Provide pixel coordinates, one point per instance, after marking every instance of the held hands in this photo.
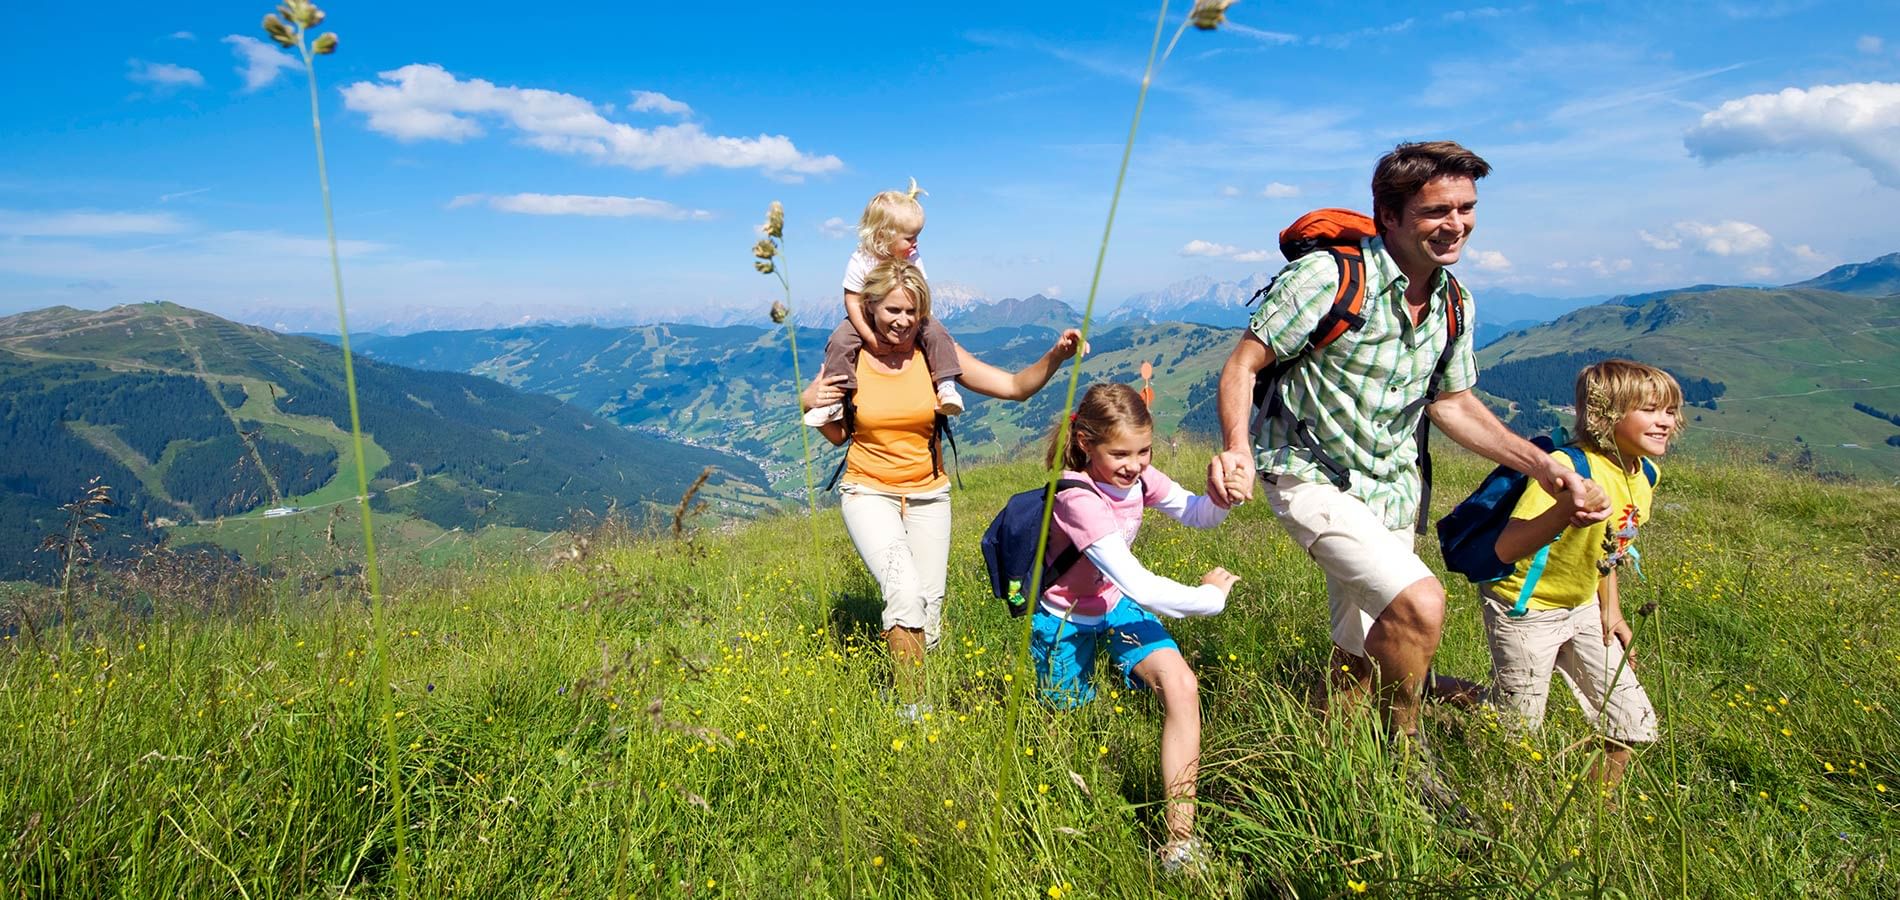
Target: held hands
(1585, 499)
(1230, 478)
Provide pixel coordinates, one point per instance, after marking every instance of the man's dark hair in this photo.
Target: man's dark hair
(1402, 172)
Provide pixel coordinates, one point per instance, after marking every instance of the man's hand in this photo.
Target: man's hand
(1230, 478)
(1591, 504)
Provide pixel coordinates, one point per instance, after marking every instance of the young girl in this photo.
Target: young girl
(1110, 597)
(888, 230)
(1560, 607)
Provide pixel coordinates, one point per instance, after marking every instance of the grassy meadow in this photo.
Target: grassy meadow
(706, 717)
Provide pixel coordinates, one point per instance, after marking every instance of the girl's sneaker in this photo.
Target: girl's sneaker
(949, 402)
(1184, 856)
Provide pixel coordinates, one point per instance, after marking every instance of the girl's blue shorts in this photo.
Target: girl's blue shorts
(1065, 651)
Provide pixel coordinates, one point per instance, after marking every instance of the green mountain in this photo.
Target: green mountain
(194, 420)
(1792, 373)
(1874, 278)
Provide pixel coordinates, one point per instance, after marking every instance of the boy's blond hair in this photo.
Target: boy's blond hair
(1610, 390)
(889, 216)
(890, 275)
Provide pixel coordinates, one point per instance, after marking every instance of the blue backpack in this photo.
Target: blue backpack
(1009, 546)
(1468, 535)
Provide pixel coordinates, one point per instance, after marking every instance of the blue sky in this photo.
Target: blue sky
(149, 155)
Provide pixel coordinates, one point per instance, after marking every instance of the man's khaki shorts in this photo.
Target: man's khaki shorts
(1366, 563)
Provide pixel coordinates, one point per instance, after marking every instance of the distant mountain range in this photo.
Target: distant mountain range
(197, 422)
(729, 387)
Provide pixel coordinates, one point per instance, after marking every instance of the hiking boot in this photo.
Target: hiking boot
(819, 416)
(949, 402)
(1436, 792)
(1184, 856)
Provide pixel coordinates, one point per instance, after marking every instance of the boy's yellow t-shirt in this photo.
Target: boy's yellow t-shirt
(1570, 573)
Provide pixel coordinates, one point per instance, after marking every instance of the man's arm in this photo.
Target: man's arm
(1230, 474)
(1465, 419)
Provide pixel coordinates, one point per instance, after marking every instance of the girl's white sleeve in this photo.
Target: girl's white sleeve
(1191, 509)
(1154, 593)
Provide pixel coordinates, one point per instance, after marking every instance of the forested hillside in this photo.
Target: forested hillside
(191, 418)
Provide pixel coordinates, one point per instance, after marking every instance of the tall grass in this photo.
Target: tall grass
(670, 717)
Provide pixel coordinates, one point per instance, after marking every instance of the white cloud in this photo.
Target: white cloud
(83, 223)
(1258, 34)
(1607, 267)
(836, 227)
(1859, 121)
(183, 36)
(1229, 191)
(654, 101)
(1280, 191)
(581, 205)
(1489, 260)
(1053, 292)
(261, 60)
(1870, 44)
(424, 102)
(1807, 254)
(163, 76)
(1199, 247)
(1223, 251)
(1725, 238)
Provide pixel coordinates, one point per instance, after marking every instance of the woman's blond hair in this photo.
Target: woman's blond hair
(1610, 390)
(1105, 409)
(890, 275)
(889, 216)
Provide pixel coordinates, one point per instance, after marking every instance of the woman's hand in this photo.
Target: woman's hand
(1069, 344)
(824, 390)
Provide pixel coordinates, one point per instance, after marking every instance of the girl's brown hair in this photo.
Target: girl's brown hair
(1104, 408)
(1610, 390)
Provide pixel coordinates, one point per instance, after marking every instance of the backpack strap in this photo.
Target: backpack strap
(1649, 471)
(1347, 313)
(1454, 328)
(1070, 555)
(850, 428)
(1536, 570)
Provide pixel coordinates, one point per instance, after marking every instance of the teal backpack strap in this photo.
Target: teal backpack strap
(1531, 575)
(1536, 571)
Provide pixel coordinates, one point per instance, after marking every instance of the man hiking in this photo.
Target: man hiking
(1338, 455)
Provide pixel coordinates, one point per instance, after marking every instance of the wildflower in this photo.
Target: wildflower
(1029, 751)
(1358, 887)
(1042, 788)
(775, 220)
(948, 803)
(1536, 756)
(1506, 806)
(1207, 15)
(1102, 750)
(897, 745)
(877, 862)
(962, 824)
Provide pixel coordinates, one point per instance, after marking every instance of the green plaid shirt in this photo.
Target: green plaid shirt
(1354, 392)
